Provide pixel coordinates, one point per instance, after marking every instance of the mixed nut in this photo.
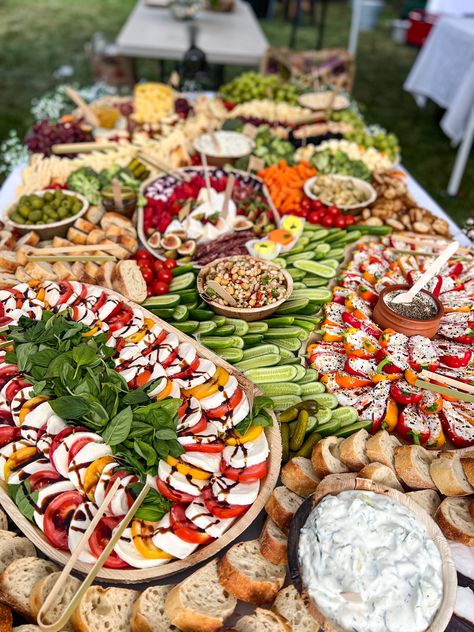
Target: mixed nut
(343, 192)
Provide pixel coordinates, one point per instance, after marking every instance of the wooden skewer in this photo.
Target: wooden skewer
(450, 392)
(228, 194)
(72, 249)
(162, 166)
(64, 618)
(117, 193)
(215, 141)
(89, 114)
(206, 176)
(82, 148)
(53, 258)
(444, 379)
(222, 292)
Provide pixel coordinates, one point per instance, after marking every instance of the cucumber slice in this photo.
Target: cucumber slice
(346, 415)
(346, 431)
(231, 354)
(279, 261)
(294, 251)
(309, 325)
(305, 254)
(310, 309)
(167, 300)
(348, 238)
(315, 232)
(181, 313)
(183, 282)
(292, 306)
(323, 415)
(291, 344)
(269, 359)
(296, 275)
(316, 268)
(329, 428)
(282, 332)
(299, 285)
(302, 241)
(284, 373)
(241, 326)
(250, 340)
(167, 313)
(279, 321)
(282, 402)
(187, 327)
(314, 281)
(224, 330)
(292, 359)
(216, 342)
(334, 263)
(285, 354)
(219, 320)
(206, 327)
(311, 375)
(180, 270)
(336, 235)
(336, 253)
(326, 400)
(300, 371)
(319, 295)
(201, 314)
(313, 388)
(321, 250)
(257, 328)
(260, 350)
(189, 298)
(279, 388)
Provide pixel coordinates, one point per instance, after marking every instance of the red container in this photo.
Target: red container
(421, 24)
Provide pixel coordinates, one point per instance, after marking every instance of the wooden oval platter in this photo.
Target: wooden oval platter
(135, 575)
(446, 608)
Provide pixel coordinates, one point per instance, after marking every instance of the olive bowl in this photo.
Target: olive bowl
(48, 231)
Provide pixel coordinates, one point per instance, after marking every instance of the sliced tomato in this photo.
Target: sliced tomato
(6, 418)
(219, 509)
(121, 320)
(57, 518)
(185, 529)
(188, 369)
(65, 292)
(228, 406)
(141, 380)
(43, 478)
(7, 372)
(245, 474)
(101, 537)
(76, 446)
(9, 434)
(65, 432)
(211, 448)
(14, 386)
(197, 428)
(170, 359)
(100, 302)
(173, 494)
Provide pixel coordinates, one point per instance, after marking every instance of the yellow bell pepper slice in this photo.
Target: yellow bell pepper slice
(166, 391)
(188, 470)
(148, 324)
(220, 378)
(29, 406)
(92, 475)
(391, 415)
(250, 435)
(16, 459)
(142, 533)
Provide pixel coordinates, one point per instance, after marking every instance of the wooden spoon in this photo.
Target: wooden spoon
(89, 114)
(218, 289)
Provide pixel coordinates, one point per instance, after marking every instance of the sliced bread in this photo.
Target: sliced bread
(352, 450)
(380, 473)
(381, 447)
(200, 603)
(149, 613)
(325, 457)
(3, 520)
(128, 280)
(289, 605)
(334, 479)
(467, 463)
(282, 506)
(40, 271)
(6, 618)
(8, 261)
(7, 534)
(426, 498)
(101, 606)
(455, 521)
(273, 543)
(94, 214)
(18, 579)
(7, 280)
(13, 549)
(104, 274)
(116, 219)
(262, 621)
(448, 475)
(412, 465)
(78, 237)
(28, 627)
(299, 476)
(41, 590)
(246, 574)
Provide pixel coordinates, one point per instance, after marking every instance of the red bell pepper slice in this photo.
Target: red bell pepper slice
(405, 393)
(422, 354)
(454, 355)
(458, 424)
(352, 321)
(376, 409)
(413, 425)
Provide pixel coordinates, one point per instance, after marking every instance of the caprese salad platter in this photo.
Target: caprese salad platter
(94, 388)
(376, 370)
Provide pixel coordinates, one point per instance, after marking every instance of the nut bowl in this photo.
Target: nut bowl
(358, 183)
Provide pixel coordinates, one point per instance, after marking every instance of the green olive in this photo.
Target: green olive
(35, 216)
(24, 211)
(37, 202)
(63, 212)
(55, 203)
(48, 196)
(16, 217)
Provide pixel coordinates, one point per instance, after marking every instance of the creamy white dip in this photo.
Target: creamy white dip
(375, 549)
(230, 144)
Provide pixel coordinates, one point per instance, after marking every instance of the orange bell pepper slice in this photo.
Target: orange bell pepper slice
(391, 415)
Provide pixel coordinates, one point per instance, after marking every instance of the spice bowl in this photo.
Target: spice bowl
(350, 482)
(386, 317)
(249, 314)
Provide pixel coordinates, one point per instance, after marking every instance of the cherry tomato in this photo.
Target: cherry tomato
(9, 434)
(143, 254)
(303, 212)
(185, 529)
(160, 288)
(350, 220)
(327, 221)
(340, 221)
(101, 537)
(173, 494)
(333, 210)
(57, 518)
(317, 205)
(43, 478)
(314, 217)
(147, 274)
(170, 264)
(221, 510)
(164, 275)
(245, 474)
(158, 265)
(144, 264)
(306, 204)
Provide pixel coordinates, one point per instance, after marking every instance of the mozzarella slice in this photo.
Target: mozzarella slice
(186, 356)
(60, 457)
(128, 552)
(235, 493)
(207, 435)
(150, 337)
(85, 457)
(107, 308)
(80, 521)
(247, 454)
(130, 351)
(192, 415)
(81, 314)
(17, 402)
(93, 295)
(207, 461)
(105, 476)
(158, 388)
(35, 420)
(136, 366)
(167, 541)
(220, 396)
(8, 301)
(203, 373)
(39, 465)
(169, 344)
(120, 502)
(45, 496)
(8, 450)
(133, 327)
(204, 520)
(179, 481)
(234, 417)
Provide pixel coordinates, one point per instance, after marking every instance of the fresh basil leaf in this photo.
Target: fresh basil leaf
(175, 448)
(26, 502)
(70, 407)
(118, 429)
(10, 358)
(44, 357)
(137, 396)
(165, 434)
(154, 506)
(13, 489)
(84, 355)
(145, 451)
(40, 388)
(25, 354)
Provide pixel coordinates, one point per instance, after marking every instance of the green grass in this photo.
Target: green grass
(38, 36)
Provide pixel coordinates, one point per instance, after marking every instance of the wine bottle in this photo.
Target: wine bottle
(194, 66)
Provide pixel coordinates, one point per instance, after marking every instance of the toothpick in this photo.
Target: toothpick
(462, 386)
(89, 114)
(206, 176)
(227, 195)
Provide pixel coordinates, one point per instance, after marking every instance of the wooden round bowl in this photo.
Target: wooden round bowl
(135, 575)
(351, 209)
(219, 160)
(446, 608)
(249, 314)
(387, 318)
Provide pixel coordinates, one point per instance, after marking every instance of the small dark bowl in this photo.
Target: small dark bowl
(387, 318)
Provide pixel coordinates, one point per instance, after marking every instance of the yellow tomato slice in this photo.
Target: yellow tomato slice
(166, 391)
(188, 470)
(251, 435)
(220, 378)
(29, 405)
(17, 459)
(142, 532)
(92, 475)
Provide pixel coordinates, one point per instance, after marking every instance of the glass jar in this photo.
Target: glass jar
(128, 197)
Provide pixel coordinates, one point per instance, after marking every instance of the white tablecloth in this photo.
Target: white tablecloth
(444, 73)
(455, 8)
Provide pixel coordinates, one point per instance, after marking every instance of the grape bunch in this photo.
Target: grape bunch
(253, 85)
(44, 135)
(366, 137)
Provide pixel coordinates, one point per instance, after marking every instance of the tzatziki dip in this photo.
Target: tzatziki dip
(225, 144)
(369, 565)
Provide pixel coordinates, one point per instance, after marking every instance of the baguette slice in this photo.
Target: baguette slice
(63, 270)
(299, 476)
(84, 225)
(104, 274)
(448, 475)
(352, 450)
(77, 237)
(18, 579)
(8, 261)
(104, 609)
(262, 621)
(21, 275)
(381, 447)
(116, 219)
(412, 465)
(148, 614)
(28, 239)
(467, 463)
(273, 543)
(94, 214)
(40, 271)
(41, 590)
(95, 236)
(128, 280)
(28, 627)
(282, 506)
(289, 605)
(426, 498)
(455, 521)
(382, 474)
(325, 457)
(4, 533)
(3, 520)
(6, 618)
(13, 549)
(91, 269)
(246, 574)
(7, 280)
(335, 479)
(200, 603)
